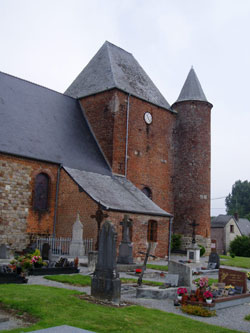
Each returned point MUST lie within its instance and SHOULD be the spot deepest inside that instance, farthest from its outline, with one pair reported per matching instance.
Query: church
(110, 145)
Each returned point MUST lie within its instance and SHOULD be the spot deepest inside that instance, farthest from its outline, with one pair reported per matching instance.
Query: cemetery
(185, 283)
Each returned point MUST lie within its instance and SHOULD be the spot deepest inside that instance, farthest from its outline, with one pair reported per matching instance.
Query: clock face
(148, 118)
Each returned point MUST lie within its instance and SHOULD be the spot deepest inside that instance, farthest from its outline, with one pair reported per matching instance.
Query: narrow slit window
(41, 192)
(152, 231)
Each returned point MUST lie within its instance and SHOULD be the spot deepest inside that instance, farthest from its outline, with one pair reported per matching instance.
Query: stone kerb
(76, 246)
(184, 272)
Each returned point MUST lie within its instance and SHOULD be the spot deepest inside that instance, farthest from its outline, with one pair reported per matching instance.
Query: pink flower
(181, 291)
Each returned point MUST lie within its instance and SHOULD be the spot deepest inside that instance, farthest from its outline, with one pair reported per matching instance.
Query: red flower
(207, 294)
(138, 270)
(181, 291)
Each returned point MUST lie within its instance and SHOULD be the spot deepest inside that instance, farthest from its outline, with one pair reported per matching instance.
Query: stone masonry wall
(17, 218)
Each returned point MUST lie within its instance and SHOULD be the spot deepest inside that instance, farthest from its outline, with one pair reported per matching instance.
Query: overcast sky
(50, 41)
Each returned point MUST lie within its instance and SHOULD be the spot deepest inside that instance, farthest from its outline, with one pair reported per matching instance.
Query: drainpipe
(169, 237)
(126, 149)
(56, 201)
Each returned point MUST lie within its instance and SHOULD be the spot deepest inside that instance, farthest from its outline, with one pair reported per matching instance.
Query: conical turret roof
(113, 67)
(192, 90)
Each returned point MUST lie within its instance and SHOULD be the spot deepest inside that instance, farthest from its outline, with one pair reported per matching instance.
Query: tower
(192, 162)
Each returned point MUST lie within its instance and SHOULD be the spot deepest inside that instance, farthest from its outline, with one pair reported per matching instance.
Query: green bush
(240, 246)
(203, 250)
(175, 242)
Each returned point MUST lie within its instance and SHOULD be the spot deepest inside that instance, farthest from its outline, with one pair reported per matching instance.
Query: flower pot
(209, 301)
(179, 297)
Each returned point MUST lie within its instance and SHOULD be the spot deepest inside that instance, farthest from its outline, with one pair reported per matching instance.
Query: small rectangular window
(232, 228)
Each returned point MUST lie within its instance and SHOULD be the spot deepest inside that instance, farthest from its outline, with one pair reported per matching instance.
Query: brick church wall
(192, 171)
(17, 217)
(150, 147)
(71, 201)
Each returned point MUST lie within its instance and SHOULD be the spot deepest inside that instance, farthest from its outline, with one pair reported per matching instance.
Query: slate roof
(244, 226)
(39, 123)
(113, 67)
(220, 221)
(192, 90)
(115, 193)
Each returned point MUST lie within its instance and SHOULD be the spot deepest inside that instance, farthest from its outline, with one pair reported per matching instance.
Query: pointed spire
(192, 90)
(113, 67)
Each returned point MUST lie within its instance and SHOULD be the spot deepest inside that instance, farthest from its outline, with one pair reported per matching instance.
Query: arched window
(41, 192)
(152, 231)
(146, 190)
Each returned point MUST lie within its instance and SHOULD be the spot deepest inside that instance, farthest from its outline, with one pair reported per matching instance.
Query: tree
(239, 200)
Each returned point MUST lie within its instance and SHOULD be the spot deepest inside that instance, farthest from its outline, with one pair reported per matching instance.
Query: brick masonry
(150, 147)
(71, 201)
(192, 171)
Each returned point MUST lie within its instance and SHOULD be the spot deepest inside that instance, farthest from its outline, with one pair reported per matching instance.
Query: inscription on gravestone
(191, 255)
(235, 278)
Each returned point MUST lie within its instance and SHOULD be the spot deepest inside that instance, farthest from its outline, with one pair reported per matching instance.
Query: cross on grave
(99, 217)
(126, 223)
(193, 225)
(139, 281)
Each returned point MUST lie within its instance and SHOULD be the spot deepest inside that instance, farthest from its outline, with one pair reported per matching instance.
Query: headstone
(213, 245)
(76, 248)
(105, 283)
(45, 251)
(125, 248)
(4, 251)
(92, 260)
(193, 253)
(184, 272)
(172, 280)
(232, 277)
(214, 258)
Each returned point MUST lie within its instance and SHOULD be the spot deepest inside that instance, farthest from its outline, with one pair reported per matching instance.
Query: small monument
(105, 283)
(5, 251)
(125, 248)
(193, 252)
(76, 248)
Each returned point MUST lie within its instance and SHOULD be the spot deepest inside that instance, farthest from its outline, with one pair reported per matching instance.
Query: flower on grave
(207, 295)
(248, 275)
(36, 259)
(181, 291)
(202, 282)
(229, 287)
(138, 270)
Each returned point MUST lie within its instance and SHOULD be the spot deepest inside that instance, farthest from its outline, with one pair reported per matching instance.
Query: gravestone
(125, 248)
(232, 277)
(46, 251)
(214, 258)
(172, 280)
(4, 251)
(184, 272)
(76, 248)
(105, 283)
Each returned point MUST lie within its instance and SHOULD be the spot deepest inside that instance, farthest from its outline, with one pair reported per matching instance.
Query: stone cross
(126, 224)
(105, 283)
(76, 248)
(99, 217)
(125, 248)
(193, 225)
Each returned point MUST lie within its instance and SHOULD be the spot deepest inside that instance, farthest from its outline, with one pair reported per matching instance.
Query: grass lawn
(243, 262)
(55, 306)
(82, 280)
(158, 267)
